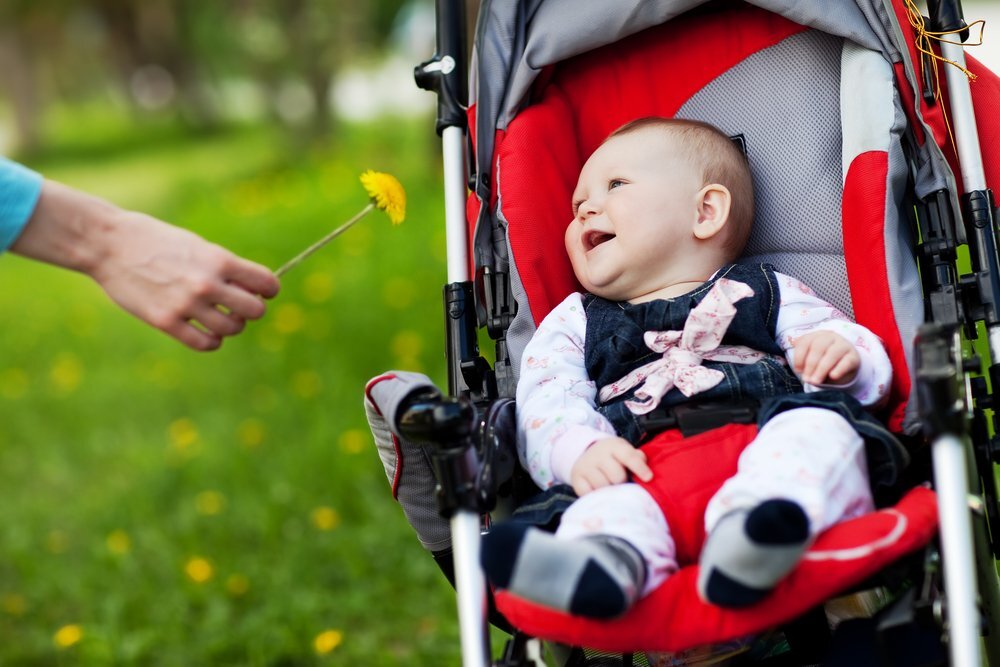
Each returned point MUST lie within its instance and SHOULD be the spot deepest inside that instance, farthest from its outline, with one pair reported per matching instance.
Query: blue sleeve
(19, 190)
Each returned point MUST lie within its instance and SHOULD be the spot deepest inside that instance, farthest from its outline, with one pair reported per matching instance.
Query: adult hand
(607, 462)
(166, 276)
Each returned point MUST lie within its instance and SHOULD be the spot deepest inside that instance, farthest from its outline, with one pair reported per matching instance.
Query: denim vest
(615, 346)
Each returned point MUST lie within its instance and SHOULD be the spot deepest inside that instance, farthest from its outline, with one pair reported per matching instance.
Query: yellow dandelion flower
(66, 373)
(198, 569)
(289, 318)
(318, 286)
(327, 640)
(209, 503)
(68, 635)
(237, 585)
(183, 434)
(325, 518)
(387, 193)
(118, 542)
(353, 441)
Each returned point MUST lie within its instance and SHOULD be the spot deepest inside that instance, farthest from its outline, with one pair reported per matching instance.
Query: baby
(660, 211)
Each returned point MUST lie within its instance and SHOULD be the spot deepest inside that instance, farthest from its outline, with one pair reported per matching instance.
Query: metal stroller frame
(462, 431)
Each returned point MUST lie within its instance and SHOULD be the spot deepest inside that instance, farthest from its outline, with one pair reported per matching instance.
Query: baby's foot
(749, 552)
(599, 576)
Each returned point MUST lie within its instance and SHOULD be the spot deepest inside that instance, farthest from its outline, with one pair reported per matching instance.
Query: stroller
(862, 127)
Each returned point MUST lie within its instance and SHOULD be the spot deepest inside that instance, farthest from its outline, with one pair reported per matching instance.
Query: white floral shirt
(556, 400)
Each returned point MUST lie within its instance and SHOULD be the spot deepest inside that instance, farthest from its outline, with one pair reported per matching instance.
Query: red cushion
(674, 618)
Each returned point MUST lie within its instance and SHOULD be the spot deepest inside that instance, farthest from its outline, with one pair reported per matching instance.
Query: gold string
(924, 45)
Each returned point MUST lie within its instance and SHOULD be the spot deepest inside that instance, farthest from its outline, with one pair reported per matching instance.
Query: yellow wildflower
(198, 569)
(251, 432)
(387, 193)
(325, 518)
(118, 542)
(68, 635)
(327, 640)
(209, 503)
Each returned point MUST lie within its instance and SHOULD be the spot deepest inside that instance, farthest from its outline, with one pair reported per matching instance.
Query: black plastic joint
(947, 16)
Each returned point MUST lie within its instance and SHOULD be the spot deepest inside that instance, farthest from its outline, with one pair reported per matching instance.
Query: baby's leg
(612, 546)
(804, 472)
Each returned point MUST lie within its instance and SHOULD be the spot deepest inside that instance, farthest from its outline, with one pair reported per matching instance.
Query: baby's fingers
(635, 462)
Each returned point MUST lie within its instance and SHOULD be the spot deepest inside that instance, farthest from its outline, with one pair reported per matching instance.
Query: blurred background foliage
(161, 507)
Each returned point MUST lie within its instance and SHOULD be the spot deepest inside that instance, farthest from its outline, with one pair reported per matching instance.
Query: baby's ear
(712, 207)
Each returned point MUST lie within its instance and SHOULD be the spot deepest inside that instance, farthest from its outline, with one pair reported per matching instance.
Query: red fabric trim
(395, 441)
(986, 100)
(653, 72)
(674, 618)
(863, 213)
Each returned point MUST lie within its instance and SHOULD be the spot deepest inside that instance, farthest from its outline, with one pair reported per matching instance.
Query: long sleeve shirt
(19, 191)
(556, 400)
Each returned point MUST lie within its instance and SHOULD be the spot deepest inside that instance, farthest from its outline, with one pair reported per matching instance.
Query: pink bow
(683, 351)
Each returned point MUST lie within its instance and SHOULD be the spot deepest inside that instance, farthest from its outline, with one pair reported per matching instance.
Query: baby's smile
(594, 238)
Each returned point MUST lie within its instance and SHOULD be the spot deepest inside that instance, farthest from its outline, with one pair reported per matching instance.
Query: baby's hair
(721, 161)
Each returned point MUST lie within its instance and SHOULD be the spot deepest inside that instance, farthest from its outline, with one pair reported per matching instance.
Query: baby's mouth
(594, 238)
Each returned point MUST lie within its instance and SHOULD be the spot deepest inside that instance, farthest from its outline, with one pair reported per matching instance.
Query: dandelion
(68, 635)
(325, 518)
(183, 434)
(198, 569)
(386, 194)
(352, 441)
(327, 640)
(118, 542)
(209, 503)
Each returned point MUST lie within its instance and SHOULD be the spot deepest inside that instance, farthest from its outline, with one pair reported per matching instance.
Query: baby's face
(634, 211)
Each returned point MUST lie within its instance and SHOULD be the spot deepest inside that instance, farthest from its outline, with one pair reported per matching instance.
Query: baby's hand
(824, 357)
(608, 462)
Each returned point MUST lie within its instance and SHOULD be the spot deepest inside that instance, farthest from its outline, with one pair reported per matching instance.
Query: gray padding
(792, 128)
(415, 489)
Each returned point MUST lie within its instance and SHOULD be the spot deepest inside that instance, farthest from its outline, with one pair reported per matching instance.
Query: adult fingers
(219, 323)
(192, 336)
(238, 301)
(254, 277)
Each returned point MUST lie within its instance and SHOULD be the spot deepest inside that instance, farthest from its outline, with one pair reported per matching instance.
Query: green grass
(124, 457)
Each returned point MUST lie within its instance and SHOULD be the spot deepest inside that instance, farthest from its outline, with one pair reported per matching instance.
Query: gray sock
(749, 552)
(599, 576)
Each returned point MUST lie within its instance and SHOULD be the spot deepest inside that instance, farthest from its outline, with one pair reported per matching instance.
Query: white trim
(864, 550)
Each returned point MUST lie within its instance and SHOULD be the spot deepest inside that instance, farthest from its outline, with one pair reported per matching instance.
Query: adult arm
(556, 399)
(802, 312)
(166, 276)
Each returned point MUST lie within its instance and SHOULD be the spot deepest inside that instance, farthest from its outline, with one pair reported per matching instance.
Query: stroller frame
(465, 452)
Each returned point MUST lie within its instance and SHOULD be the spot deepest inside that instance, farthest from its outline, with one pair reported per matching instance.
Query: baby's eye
(614, 183)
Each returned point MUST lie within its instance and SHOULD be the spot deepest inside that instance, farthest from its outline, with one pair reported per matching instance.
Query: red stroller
(862, 127)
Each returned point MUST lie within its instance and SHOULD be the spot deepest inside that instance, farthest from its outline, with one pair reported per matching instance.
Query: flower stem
(323, 241)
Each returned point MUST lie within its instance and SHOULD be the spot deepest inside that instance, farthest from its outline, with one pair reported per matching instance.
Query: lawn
(163, 507)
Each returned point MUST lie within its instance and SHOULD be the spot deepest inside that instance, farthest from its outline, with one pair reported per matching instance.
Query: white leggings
(811, 456)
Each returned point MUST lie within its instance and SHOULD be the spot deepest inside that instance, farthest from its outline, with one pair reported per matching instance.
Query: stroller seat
(820, 120)
(841, 149)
